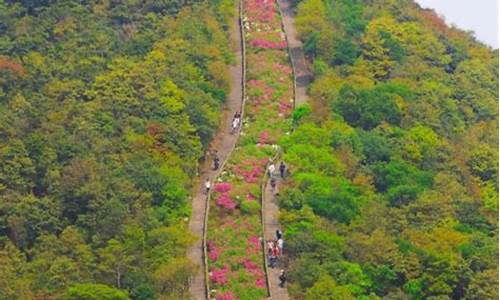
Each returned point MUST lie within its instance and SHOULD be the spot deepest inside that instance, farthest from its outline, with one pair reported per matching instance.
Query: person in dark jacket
(282, 278)
(216, 161)
(282, 169)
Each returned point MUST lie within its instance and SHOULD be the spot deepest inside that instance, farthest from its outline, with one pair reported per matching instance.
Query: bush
(250, 207)
(95, 292)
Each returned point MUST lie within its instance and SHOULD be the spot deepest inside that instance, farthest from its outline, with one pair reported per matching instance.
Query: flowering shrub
(222, 187)
(218, 276)
(285, 107)
(213, 251)
(261, 43)
(263, 137)
(260, 282)
(225, 201)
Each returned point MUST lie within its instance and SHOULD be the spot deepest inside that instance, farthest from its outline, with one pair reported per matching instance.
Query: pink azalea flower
(225, 201)
(251, 197)
(254, 240)
(219, 275)
(263, 137)
(222, 187)
(213, 251)
(226, 296)
(260, 282)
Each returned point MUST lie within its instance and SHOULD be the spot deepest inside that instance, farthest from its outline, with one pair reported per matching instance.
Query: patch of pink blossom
(285, 107)
(263, 137)
(251, 197)
(261, 43)
(219, 276)
(250, 175)
(226, 202)
(226, 296)
(222, 187)
(254, 240)
(213, 251)
(253, 268)
(260, 282)
(261, 10)
(282, 68)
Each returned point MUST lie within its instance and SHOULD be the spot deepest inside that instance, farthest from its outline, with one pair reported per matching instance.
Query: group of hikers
(275, 247)
(274, 252)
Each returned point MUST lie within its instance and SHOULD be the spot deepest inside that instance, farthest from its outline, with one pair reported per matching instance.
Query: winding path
(223, 143)
(303, 76)
(271, 223)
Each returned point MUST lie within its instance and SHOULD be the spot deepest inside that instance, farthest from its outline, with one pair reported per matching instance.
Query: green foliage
(105, 110)
(250, 207)
(400, 181)
(95, 292)
(326, 288)
(406, 110)
(369, 108)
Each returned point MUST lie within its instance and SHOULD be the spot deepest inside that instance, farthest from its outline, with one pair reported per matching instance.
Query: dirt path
(302, 73)
(271, 212)
(223, 143)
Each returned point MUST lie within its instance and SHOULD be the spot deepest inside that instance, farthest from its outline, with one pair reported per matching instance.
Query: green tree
(95, 292)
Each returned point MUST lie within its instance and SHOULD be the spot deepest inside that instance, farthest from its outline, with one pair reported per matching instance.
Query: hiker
(280, 246)
(282, 169)
(282, 278)
(269, 248)
(273, 183)
(279, 234)
(274, 256)
(216, 161)
(207, 186)
(271, 170)
(236, 123)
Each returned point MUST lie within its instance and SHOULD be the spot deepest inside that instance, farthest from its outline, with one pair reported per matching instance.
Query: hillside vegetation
(393, 190)
(105, 109)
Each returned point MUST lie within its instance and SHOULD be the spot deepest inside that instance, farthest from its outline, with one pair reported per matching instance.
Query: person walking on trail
(271, 170)
(274, 256)
(273, 183)
(279, 234)
(236, 122)
(270, 247)
(207, 186)
(280, 246)
(282, 169)
(282, 278)
(216, 161)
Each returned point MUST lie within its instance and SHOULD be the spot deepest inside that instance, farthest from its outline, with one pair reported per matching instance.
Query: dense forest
(105, 110)
(393, 192)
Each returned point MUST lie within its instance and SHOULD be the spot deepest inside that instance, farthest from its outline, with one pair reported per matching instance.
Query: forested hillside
(393, 190)
(105, 109)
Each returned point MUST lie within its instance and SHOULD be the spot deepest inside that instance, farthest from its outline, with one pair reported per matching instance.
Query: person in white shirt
(207, 185)
(271, 169)
(280, 246)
